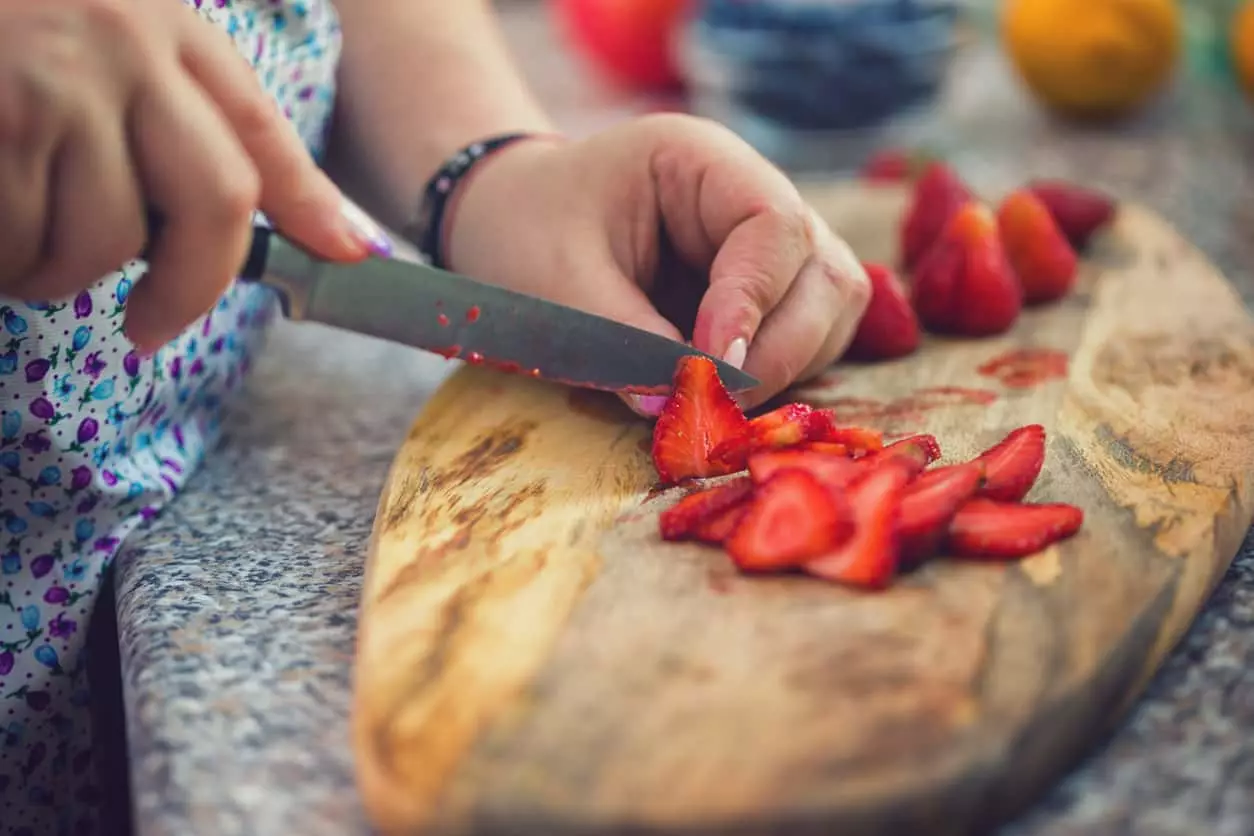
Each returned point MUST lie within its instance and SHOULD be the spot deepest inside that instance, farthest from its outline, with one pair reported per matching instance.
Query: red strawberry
(1012, 465)
(1079, 212)
(857, 441)
(824, 447)
(832, 471)
(965, 285)
(699, 416)
(938, 194)
(718, 528)
(989, 529)
(784, 427)
(791, 518)
(1036, 248)
(683, 519)
(916, 452)
(889, 329)
(869, 557)
(893, 165)
(928, 505)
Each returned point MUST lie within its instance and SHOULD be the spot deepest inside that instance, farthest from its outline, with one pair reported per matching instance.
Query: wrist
(444, 194)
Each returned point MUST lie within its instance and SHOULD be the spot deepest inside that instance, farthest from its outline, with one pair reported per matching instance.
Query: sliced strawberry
(719, 527)
(1079, 212)
(824, 447)
(683, 519)
(699, 416)
(823, 428)
(965, 285)
(938, 194)
(1040, 254)
(792, 518)
(928, 505)
(1012, 465)
(786, 426)
(869, 557)
(889, 328)
(916, 452)
(833, 471)
(1004, 530)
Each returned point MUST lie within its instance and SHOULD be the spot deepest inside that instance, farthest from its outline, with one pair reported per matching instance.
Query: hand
(109, 108)
(672, 224)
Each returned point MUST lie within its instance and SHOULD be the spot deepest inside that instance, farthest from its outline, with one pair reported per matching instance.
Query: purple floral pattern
(94, 439)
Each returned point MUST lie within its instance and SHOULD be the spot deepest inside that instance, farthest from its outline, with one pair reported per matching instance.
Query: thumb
(295, 194)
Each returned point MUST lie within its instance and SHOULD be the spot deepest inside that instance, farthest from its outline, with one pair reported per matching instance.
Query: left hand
(675, 225)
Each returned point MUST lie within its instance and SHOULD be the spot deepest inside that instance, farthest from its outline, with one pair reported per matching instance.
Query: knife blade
(415, 304)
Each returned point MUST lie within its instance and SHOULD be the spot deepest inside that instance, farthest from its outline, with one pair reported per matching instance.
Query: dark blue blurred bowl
(814, 83)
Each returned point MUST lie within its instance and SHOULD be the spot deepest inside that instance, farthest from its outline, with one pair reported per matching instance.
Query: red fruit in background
(894, 165)
(965, 285)
(629, 40)
(1078, 211)
(1005, 530)
(889, 328)
(1040, 254)
(938, 194)
(699, 416)
(1012, 465)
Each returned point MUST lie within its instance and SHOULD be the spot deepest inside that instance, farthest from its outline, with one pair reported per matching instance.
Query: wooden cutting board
(533, 660)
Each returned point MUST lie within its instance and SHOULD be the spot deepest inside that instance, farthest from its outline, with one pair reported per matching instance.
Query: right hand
(111, 108)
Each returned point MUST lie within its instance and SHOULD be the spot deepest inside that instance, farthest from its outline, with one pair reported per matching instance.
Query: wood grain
(532, 659)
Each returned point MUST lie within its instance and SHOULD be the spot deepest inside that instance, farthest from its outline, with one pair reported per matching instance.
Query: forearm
(418, 80)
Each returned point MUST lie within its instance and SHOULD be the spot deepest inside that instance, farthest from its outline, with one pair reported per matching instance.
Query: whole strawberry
(889, 328)
(965, 285)
(938, 194)
(1038, 251)
(1079, 212)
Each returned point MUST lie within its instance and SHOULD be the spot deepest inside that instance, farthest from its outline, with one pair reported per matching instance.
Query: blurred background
(1151, 99)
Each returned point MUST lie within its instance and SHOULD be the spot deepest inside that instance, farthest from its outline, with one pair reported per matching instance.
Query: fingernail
(364, 229)
(736, 352)
(646, 406)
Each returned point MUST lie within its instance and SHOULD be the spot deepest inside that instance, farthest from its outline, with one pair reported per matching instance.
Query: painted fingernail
(364, 229)
(646, 406)
(736, 352)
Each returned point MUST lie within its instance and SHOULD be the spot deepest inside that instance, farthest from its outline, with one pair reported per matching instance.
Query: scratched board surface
(533, 659)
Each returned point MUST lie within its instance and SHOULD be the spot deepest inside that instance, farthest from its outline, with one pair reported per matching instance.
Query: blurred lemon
(1242, 45)
(1096, 59)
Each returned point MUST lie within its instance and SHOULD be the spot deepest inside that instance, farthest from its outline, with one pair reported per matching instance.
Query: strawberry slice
(916, 452)
(1078, 211)
(823, 428)
(1012, 465)
(938, 194)
(718, 528)
(869, 557)
(684, 519)
(792, 518)
(889, 328)
(786, 426)
(833, 471)
(824, 447)
(699, 416)
(1005, 530)
(965, 285)
(1040, 254)
(928, 505)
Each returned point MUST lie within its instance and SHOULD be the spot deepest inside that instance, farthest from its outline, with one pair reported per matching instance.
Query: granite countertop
(237, 607)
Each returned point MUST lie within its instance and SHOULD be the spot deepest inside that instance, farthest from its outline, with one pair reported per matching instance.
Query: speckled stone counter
(237, 607)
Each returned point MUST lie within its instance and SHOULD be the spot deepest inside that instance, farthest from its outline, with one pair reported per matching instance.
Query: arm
(419, 79)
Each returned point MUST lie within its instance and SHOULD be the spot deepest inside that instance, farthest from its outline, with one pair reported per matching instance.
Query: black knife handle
(254, 266)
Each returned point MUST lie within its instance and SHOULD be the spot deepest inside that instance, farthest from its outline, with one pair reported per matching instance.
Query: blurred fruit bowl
(816, 82)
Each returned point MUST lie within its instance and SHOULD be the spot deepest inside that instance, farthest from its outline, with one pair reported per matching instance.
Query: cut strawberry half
(869, 557)
(792, 518)
(682, 520)
(1012, 465)
(916, 452)
(929, 504)
(833, 471)
(699, 416)
(985, 528)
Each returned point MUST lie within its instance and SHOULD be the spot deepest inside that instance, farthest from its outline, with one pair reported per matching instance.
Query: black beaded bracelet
(427, 230)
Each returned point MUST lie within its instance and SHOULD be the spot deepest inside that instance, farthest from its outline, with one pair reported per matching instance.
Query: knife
(412, 303)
